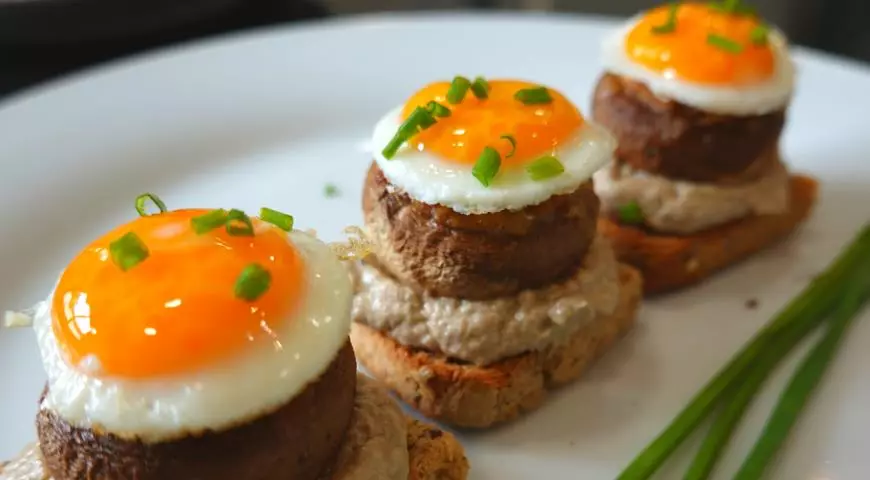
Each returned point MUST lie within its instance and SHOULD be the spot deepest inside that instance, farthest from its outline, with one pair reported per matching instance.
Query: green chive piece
(533, 96)
(630, 214)
(458, 88)
(724, 43)
(486, 167)
(812, 305)
(419, 119)
(802, 384)
(209, 221)
(759, 34)
(671, 23)
(141, 201)
(239, 224)
(393, 146)
(253, 282)
(730, 5)
(331, 191)
(480, 88)
(279, 219)
(734, 7)
(437, 109)
(545, 167)
(513, 141)
(128, 251)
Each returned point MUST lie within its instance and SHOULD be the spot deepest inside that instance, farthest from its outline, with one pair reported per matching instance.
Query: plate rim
(193, 47)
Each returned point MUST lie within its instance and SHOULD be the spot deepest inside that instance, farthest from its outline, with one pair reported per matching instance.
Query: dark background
(41, 39)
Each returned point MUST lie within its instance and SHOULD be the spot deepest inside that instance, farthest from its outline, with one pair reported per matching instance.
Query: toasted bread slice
(669, 262)
(474, 396)
(433, 455)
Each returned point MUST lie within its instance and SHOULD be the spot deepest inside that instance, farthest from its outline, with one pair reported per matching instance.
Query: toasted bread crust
(436, 250)
(675, 140)
(478, 397)
(669, 262)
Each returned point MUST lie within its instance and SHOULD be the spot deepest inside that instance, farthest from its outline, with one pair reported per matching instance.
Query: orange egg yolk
(176, 310)
(475, 124)
(686, 53)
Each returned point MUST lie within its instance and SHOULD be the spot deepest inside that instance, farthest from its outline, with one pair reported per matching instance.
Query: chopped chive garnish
(513, 141)
(253, 282)
(330, 190)
(630, 214)
(724, 43)
(458, 88)
(209, 221)
(279, 219)
(239, 224)
(487, 165)
(758, 35)
(730, 5)
(533, 96)
(141, 201)
(735, 7)
(419, 119)
(128, 251)
(393, 147)
(671, 23)
(480, 88)
(545, 167)
(437, 109)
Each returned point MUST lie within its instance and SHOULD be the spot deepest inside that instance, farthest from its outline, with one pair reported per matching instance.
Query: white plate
(269, 118)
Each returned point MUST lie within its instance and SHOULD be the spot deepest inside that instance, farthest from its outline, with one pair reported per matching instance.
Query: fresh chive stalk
(437, 109)
(209, 221)
(458, 88)
(513, 141)
(253, 282)
(487, 166)
(239, 224)
(480, 88)
(545, 167)
(813, 303)
(724, 43)
(419, 119)
(630, 213)
(142, 204)
(759, 34)
(533, 96)
(281, 220)
(741, 396)
(801, 386)
(128, 251)
(671, 23)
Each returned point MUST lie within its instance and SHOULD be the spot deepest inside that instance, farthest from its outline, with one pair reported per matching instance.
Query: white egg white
(757, 99)
(231, 392)
(430, 179)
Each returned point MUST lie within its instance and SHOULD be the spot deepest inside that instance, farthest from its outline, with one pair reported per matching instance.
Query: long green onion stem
(801, 386)
(813, 303)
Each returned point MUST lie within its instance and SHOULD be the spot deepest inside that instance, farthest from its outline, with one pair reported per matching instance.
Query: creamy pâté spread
(486, 331)
(682, 207)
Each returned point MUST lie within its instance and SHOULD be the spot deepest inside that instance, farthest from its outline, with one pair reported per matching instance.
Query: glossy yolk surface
(176, 310)
(685, 53)
(477, 123)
